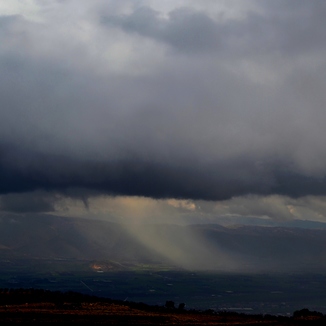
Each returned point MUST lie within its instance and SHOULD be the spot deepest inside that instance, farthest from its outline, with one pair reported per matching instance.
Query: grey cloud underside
(237, 107)
(283, 30)
(185, 30)
(135, 178)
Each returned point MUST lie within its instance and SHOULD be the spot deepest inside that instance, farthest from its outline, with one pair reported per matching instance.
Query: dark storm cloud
(31, 202)
(109, 108)
(158, 180)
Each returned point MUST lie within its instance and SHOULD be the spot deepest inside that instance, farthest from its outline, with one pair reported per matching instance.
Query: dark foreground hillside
(22, 307)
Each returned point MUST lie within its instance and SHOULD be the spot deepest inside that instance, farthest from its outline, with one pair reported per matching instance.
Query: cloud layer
(176, 100)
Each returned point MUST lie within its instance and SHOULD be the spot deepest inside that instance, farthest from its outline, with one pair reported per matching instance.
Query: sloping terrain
(201, 247)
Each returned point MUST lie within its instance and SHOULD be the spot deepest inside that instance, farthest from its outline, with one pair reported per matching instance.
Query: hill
(195, 247)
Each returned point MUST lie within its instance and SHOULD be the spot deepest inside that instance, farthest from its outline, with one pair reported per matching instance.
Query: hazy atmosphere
(163, 111)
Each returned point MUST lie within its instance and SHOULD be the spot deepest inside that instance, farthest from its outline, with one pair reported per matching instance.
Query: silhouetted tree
(169, 304)
(181, 306)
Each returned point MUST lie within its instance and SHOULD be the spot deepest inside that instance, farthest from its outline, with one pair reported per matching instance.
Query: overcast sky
(163, 110)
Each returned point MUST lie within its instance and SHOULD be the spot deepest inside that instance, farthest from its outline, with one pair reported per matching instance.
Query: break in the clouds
(179, 99)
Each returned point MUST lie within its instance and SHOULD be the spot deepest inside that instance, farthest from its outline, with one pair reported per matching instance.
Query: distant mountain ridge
(256, 221)
(194, 247)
